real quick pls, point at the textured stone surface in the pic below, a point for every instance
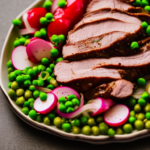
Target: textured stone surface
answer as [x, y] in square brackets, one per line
[17, 135]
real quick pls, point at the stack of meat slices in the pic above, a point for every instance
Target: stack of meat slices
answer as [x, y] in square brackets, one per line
[98, 57]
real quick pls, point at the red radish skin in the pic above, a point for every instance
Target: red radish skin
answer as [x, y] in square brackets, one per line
[19, 58]
[117, 115]
[64, 91]
[38, 49]
[105, 105]
[44, 107]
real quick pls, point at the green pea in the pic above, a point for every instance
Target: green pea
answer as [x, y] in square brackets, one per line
[43, 32]
[84, 120]
[91, 122]
[99, 119]
[51, 116]
[55, 38]
[52, 75]
[49, 70]
[103, 128]
[70, 110]
[19, 92]
[41, 68]
[12, 94]
[62, 3]
[36, 94]
[9, 84]
[43, 96]
[119, 131]
[111, 132]
[131, 102]
[46, 121]
[30, 100]
[139, 125]
[148, 9]
[17, 72]
[58, 122]
[147, 124]
[52, 66]
[62, 108]
[132, 113]
[70, 97]
[141, 82]
[35, 69]
[145, 96]
[134, 45]
[9, 64]
[27, 83]
[12, 76]
[54, 82]
[27, 42]
[62, 100]
[75, 102]
[32, 88]
[144, 24]
[137, 108]
[95, 130]
[19, 79]
[75, 130]
[147, 108]
[38, 34]
[31, 72]
[14, 85]
[142, 102]
[138, 3]
[39, 118]
[33, 114]
[31, 105]
[47, 5]
[59, 59]
[25, 110]
[9, 70]
[48, 79]
[62, 38]
[49, 16]
[147, 115]
[28, 94]
[45, 61]
[17, 22]
[127, 128]
[66, 127]
[20, 100]
[43, 21]
[27, 77]
[54, 52]
[51, 87]
[76, 122]
[40, 82]
[68, 104]
[22, 40]
[26, 104]
[132, 120]
[86, 130]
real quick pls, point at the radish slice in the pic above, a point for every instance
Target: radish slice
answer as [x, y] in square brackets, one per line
[54, 6]
[117, 115]
[19, 58]
[38, 49]
[44, 107]
[97, 106]
[65, 91]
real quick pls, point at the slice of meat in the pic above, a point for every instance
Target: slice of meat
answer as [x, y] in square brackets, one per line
[107, 14]
[111, 44]
[119, 89]
[100, 28]
[112, 4]
[135, 61]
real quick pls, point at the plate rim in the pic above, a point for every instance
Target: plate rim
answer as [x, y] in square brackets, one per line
[53, 130]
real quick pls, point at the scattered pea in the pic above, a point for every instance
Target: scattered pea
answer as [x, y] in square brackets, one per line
[145, 96]
[20, 92]
[142, 102]
[58, 122]
[33, 114]
[138, 3]
[131, 102]
[147, 124]
[147, 8]
[9, 84]
[51, 87]
[144, 24]
[49, 70]
[119, 131]
[137, 108]
[95, 130]
[139, 125]
[46, 121]
[12, 94]
[28, 94]
[111, 132]
[75, 130]
[127, 128]
[62, 108]
[47, 5]
[62, 100]
[43, 21]
[132, 120]
[148, 28]
[70, 97]
[9, 70]
[76, 122]
[103, 128]
[86, 130]
[51, 116]
[52, 66]
[54, 52]
[66, 127]
[14, 85]
[140, 116]
[84, 120]
[32, 88]
[49, 16]
[147, 115]
[55, 38]
[70, 110]
[20, 100]
[99, 119]
[62, 37]
[26, 104]
[91, 122]
[45, 61]
[59, 59]
[132, 113]
[62, 3]
[27, 83]
[43, 96]
[147, 108]
[39, 118]
[25, 110]
[17, 22]
[75, 102]
[43, 32]
[134, 45]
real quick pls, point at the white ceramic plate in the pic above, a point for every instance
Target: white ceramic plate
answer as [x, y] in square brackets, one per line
[5, 56]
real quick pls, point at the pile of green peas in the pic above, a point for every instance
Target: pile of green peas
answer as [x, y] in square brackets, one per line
[142, 3]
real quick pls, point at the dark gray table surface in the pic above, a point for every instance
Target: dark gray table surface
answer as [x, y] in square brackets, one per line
[17, 135]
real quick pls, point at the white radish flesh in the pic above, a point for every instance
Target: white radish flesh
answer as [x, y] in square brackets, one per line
[117, 115]
[44, 107]
[38, 49]
[65, 91]
[19, 58]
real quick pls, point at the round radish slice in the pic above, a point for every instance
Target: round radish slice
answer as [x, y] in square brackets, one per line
[117, 115]
[38, 49]
[64, 91]
[19, 58]
[44, 107]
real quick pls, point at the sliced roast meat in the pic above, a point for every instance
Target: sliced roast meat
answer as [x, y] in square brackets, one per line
[100, 28]
[107, 14]
[112, 4]
[135, 61]
[107, 45]
[119, 89]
